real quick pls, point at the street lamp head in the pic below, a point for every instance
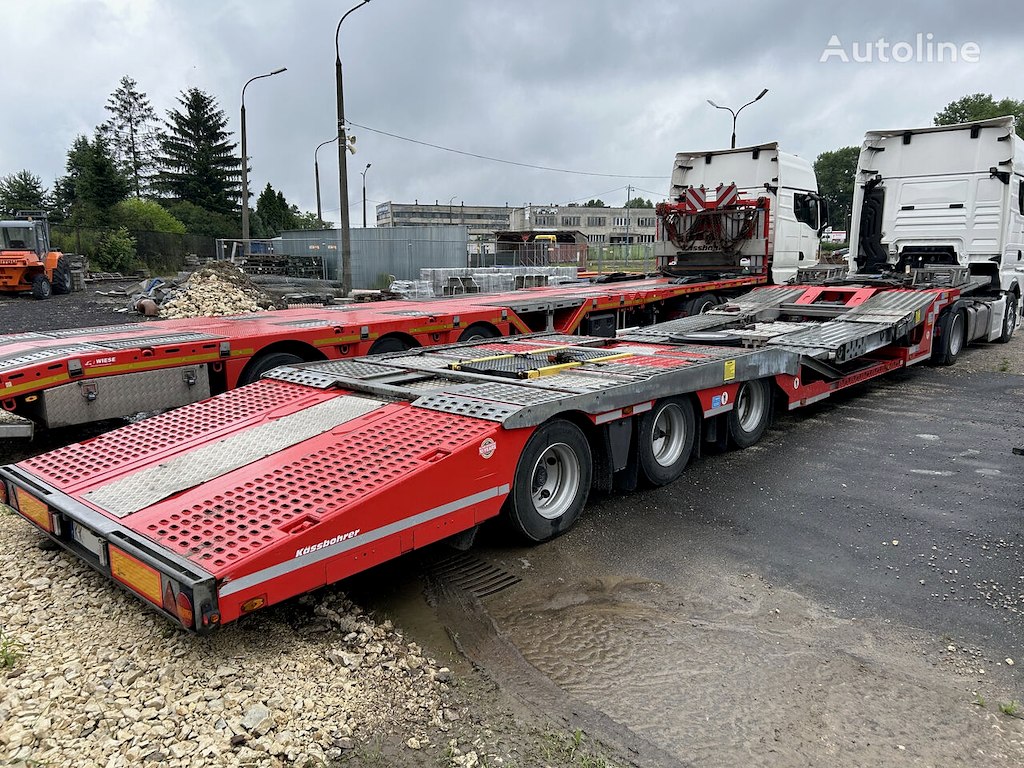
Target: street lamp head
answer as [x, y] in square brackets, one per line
[368, 166]
[762, 93]
[714, 105]
[279, 71]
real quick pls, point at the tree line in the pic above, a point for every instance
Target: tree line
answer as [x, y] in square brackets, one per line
[136, 173]
[837, 169]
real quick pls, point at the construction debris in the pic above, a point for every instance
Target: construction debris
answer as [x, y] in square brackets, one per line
[215, 290]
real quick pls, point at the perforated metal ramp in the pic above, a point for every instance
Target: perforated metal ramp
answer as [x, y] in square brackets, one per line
[861, 329]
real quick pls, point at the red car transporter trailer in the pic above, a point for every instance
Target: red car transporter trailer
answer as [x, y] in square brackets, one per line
[322, 470]
[65, 377]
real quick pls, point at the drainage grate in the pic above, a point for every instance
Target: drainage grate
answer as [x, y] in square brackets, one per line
[473, 575]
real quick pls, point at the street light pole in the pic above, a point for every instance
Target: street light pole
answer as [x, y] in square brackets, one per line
[364, 193]
[734, 114]
[450, 201]
[316, 175]
[346, 239]
[245, 162]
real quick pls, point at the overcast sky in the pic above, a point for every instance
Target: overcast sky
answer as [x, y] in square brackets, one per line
[598, 86]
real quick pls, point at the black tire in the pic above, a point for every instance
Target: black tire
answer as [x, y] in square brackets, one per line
[41, 287]
[62, 277]
[388, 344]
[700, 304]
[260, 364]
[1010, 318]
[665, 440]
[552, 481]
[478, 332]
[950, 337]
[751, 414]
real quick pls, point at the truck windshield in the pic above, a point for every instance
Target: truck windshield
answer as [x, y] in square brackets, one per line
[17, 238]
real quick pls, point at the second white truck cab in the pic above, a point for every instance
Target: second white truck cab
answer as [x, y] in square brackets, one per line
[943, 195]
[755, 209]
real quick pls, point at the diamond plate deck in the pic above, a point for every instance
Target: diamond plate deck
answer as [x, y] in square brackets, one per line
[142, 489]
[19, 359]
[515, 394]
[889, 307]
[352, 369]
[842, 340]
[466, 406]
[681, 326]
[65, 333]
[158, 340]
[9, 338]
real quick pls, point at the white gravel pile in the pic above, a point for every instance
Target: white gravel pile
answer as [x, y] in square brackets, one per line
[214, 291]
[99, 680]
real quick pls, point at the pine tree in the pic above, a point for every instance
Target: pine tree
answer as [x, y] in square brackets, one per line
[21, 191]
[274, 212]
[131, 132]
[197, 161]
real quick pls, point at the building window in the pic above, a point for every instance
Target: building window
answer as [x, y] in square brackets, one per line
[544, 221]
[620, 221]
[645, 221]
[570, 221]
[596, 238]
[596, 221]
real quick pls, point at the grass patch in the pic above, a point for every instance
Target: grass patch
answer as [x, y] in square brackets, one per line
[11, 651]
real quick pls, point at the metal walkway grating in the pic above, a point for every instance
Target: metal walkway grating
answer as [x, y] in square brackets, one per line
[471, 574]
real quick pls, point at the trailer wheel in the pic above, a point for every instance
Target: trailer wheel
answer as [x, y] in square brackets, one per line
[62, 277]
[41, 287]
[479, 331]
[750, 416]
[666, 440]
[388, 344]
[950, 337]
[1009, 318]
[260, 364]
[552, 481]
[701, 304]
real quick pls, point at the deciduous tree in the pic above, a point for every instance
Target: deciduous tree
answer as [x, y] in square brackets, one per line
[837, 172]
[981, 106]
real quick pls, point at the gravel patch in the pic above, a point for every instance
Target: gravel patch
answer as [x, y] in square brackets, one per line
[88, 676]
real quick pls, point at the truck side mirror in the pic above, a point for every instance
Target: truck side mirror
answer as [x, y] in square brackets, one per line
[822, 215]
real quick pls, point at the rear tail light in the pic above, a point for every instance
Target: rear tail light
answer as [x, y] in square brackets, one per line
[34, 509]
[185, 613]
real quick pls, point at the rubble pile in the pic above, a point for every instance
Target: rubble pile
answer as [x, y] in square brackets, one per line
[215, 290]
[94, 678]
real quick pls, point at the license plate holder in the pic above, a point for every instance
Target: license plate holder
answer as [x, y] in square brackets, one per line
[89, 541]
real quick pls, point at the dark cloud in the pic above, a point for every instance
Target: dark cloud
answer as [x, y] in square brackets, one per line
[594, 85]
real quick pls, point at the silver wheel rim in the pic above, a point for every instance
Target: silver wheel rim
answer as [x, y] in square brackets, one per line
[955, 335]
[555, 481]
[1011, 314]
[749, 406]
[668, 435]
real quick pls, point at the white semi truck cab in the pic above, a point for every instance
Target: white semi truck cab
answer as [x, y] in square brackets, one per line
[942, 195]
[753, 210]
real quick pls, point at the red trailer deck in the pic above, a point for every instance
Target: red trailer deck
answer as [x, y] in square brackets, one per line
[322, 470]
[58, 378]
